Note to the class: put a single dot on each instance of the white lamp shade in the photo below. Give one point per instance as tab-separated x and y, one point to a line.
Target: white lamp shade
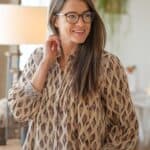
22	25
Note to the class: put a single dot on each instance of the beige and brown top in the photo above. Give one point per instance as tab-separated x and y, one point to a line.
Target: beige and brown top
59	121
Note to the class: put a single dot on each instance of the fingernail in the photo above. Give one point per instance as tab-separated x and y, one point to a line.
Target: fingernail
52	48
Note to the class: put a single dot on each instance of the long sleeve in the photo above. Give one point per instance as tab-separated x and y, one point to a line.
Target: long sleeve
121	120
23	99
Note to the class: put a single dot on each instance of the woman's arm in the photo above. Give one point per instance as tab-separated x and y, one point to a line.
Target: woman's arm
121	122
23	98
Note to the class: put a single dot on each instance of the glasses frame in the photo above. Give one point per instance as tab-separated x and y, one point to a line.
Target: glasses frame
79	15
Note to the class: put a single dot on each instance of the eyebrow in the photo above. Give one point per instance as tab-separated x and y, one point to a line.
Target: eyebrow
76	12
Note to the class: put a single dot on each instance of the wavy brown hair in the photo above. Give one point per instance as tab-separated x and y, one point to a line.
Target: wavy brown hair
86	65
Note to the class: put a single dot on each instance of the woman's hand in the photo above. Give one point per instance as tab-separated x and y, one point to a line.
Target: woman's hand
51	49
51	52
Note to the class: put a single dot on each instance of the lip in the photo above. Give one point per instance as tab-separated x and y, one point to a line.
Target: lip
80	32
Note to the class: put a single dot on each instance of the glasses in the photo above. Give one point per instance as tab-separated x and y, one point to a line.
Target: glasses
73	17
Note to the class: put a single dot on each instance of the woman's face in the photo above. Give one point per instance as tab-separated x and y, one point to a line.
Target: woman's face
74	33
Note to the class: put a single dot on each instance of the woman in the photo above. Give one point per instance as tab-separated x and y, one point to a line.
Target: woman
74	94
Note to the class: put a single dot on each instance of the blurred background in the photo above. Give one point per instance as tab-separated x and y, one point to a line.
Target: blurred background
127	26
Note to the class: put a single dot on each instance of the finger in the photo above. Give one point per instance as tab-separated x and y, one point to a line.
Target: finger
54	38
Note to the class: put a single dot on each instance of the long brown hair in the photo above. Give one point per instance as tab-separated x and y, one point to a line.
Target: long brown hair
86	66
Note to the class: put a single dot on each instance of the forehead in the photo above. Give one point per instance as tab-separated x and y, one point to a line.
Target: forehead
75	6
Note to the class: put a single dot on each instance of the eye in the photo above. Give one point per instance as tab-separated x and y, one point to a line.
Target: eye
88	15
71	16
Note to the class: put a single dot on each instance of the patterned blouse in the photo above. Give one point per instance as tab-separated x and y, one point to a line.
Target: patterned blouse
59	121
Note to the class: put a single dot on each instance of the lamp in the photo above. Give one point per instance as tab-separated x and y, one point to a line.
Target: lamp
21	25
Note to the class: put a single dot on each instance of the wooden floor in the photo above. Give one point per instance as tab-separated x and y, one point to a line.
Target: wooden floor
12	145
15	145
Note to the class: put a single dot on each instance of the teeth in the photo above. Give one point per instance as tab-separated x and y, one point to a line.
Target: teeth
79	31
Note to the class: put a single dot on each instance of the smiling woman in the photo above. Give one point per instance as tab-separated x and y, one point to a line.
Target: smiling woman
75	94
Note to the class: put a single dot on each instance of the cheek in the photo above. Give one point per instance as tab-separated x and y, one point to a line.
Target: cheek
89	28
67	31
64	29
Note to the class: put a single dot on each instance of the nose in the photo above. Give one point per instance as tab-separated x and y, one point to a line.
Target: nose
80	21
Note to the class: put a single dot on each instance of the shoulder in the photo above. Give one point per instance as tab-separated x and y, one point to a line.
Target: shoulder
112	70
110	59
111	62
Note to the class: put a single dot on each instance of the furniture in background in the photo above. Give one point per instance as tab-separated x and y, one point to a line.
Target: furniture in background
3	116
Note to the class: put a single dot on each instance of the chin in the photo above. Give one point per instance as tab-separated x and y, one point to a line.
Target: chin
79	41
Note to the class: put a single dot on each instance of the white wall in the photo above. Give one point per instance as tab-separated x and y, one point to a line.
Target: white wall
35	2
137	47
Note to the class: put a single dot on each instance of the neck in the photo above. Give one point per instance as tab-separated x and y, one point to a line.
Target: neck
68	49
